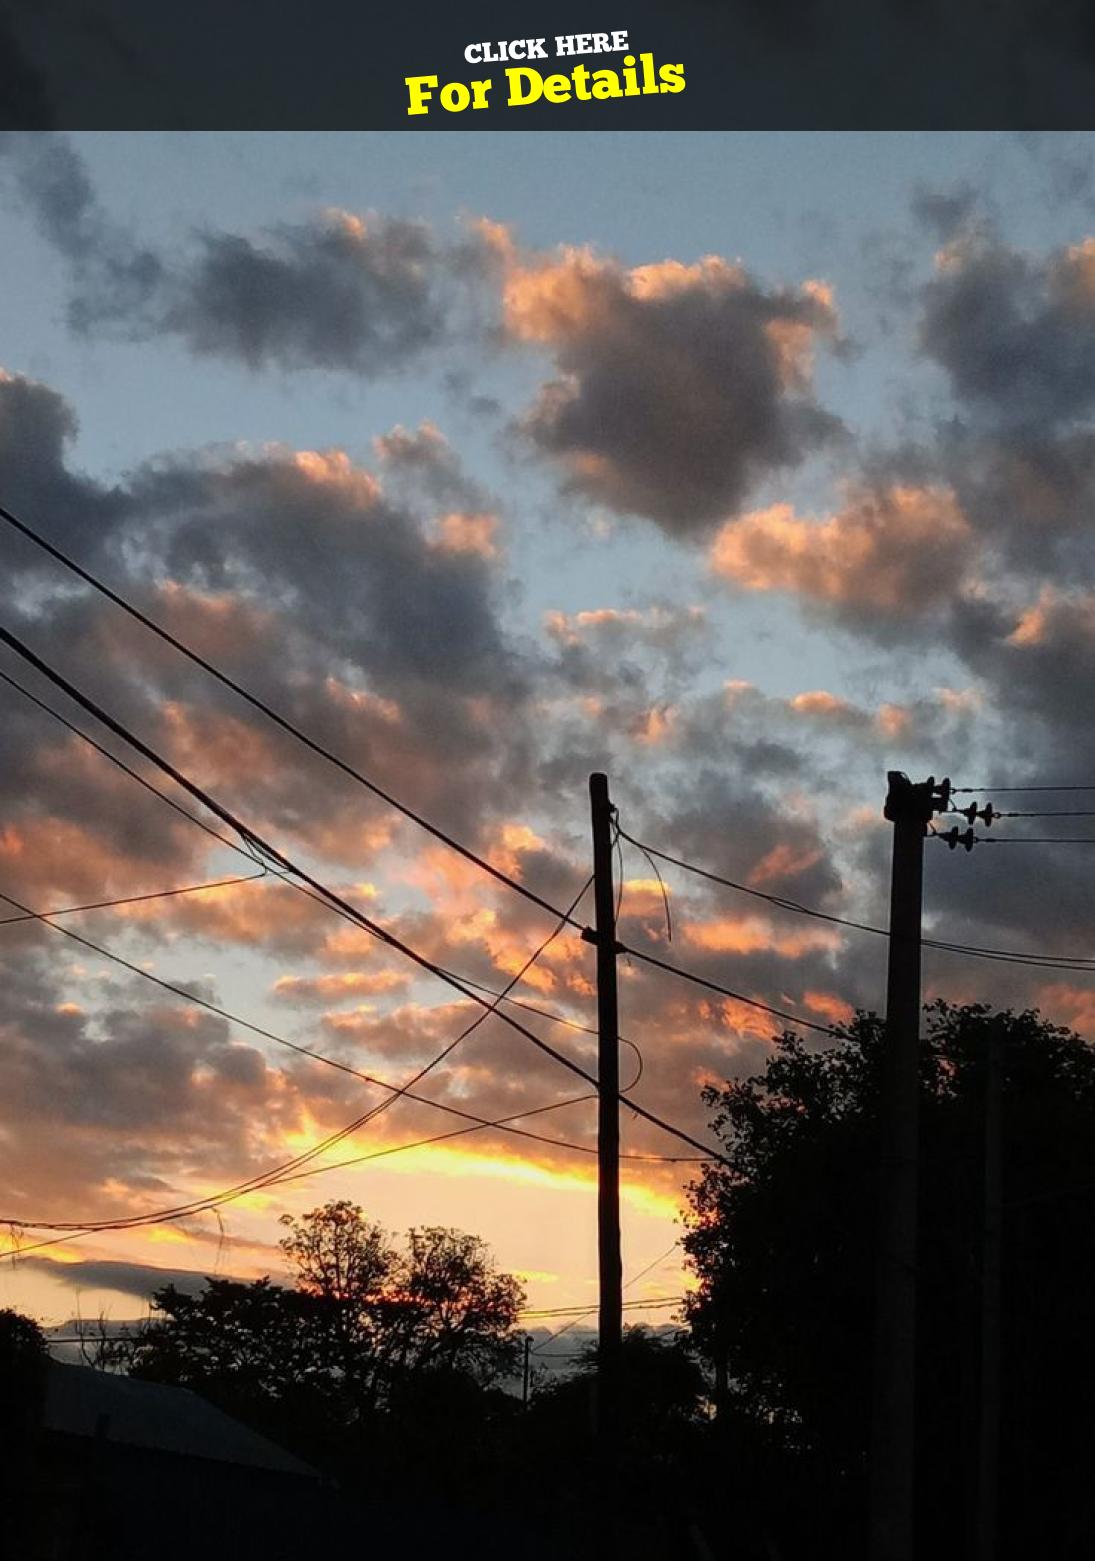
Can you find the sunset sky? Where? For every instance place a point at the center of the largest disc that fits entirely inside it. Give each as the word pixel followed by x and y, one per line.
pixel 743 468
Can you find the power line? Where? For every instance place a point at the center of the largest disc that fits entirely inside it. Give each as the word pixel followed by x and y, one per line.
pixel 283 862
pixel 969 791
pixel 514 1002
pixel 306 1051
pixel 122 765
pixel 274 715
pixel 492 1008
pixel 223 883
pixel 1060 813
pixel 658 1261
pixel 137 899
pixel 279 1176
pixel 725 991
pixel 557 1018
pixel 632 1306
pixel 274 1177
pixel 628 1306
pixel 224 839
pixel 135 775
pixel 232 845
pixel 1036 840
pixel 1008 956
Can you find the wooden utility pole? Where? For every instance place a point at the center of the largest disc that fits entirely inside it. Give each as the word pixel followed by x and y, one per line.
pixel 910 808
pixel 610 1315
pixel 988 1441
pixel 526 1371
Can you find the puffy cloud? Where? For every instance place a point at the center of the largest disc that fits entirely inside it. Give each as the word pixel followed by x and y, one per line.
pixel 37 429
pixel 1014 332
pixel 887 555
pixel 344 292
pixel 679 387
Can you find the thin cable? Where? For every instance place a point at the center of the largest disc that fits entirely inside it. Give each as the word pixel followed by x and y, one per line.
pixel 1034 840
pixel 619 876
pixel 283 862
pixel 407 1090
pixel 583 1311
pixel 592 1310
pixel 969 791
pixel 725 991
pixel 570 1024
pixel 272 714
pixel 661 886
pixel 122 765
pixel 137 899
pixel 634 1306
pixel 278 1178
pixel 223 883
pixel 1061 813
pixel 225 840
pixel 1009 956
pixel 247 1024
pixel 275 1177
pixel 491 1008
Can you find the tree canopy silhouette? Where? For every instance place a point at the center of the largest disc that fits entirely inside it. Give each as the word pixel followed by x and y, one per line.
pixel 364 1319
pixel 782 1240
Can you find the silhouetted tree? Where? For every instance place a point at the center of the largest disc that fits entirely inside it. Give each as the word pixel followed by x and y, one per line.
pixel 662 1389
pixel 347 1265
pixel 439 1304
pixel 782 1239
pixel 24 1361
pixel 364 1328
pixel 453 1310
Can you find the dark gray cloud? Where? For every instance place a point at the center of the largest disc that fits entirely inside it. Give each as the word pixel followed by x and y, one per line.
pixel 138 1279
pixel 679 387
pixel 1015 333
pixel 37 428
pixel 357 294
pixel 1028 493
pixel 105 1087
pixel 370 618
pixel 342 293
pixel 944 211
pixel 113 277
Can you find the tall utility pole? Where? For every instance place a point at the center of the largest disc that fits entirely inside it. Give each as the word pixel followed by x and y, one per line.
pixel 910 808
pixel 988 1441
pixel 610 1315
pixel 526 1371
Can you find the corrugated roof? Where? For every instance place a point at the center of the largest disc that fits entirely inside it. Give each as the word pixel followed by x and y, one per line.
pixel 80 1399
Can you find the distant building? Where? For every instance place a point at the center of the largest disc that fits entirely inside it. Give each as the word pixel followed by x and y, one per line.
pixel 125 1469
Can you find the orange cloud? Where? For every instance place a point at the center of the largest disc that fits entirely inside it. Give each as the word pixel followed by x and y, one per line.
pixel 1073 1006
pixel 748 934
pixel 784 861
pixel 350 983
pixel 459 532
pixel 828 1006
pixel 1055 616
pixel 896 552
pixel 819 702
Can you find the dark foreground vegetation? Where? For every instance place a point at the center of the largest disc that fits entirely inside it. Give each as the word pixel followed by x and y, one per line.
pixel 395 1371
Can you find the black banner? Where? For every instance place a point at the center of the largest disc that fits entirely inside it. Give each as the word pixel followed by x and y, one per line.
pixel 694 64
